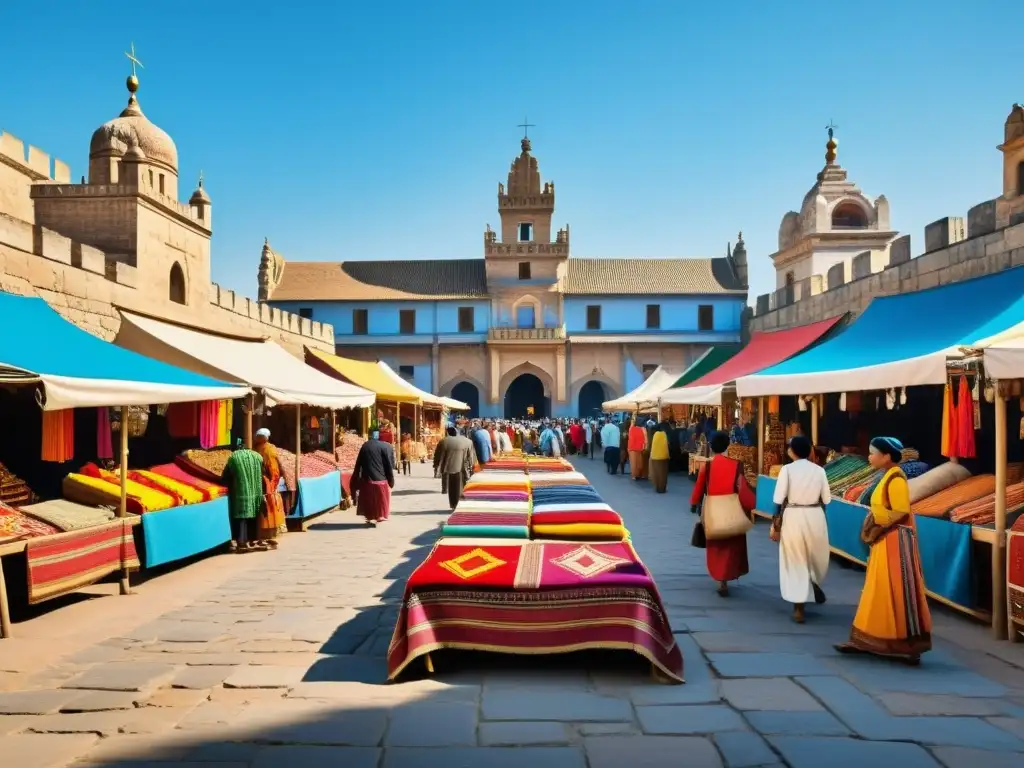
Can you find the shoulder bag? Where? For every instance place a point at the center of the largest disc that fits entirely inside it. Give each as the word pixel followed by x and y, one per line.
pixel 698 539
pixel 724 516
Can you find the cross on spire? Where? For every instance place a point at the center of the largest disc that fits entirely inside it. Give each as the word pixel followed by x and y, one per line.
pixel 526 125
pixel 831 128
pixel 133 59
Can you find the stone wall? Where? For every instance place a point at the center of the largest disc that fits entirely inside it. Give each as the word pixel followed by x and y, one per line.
pixel 87 285
pixel 959 250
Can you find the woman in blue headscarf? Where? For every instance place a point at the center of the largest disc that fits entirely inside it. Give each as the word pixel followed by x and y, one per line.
pixel 892 618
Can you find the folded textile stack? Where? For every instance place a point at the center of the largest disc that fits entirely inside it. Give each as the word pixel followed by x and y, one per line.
pixel 95 487
pixel 502 524
pixel 854 477
pixel 482 493
pixel 13 490
pixel 15 525
pixel 547 464
pixel 508 462
pixel 595 522
pixel 982 511
pixel 66 515
pixel 552 479
pixel 944 502
pixel 566 494
pixel 842 466
pixel 176 473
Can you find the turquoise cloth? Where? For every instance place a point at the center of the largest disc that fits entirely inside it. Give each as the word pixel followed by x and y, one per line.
pixel 179 532
pixel 487 531
pixel 317 494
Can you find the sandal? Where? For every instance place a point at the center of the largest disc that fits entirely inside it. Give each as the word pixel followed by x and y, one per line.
pixel 271 544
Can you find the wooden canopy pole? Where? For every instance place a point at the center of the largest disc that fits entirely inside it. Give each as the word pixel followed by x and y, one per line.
pixel 999 613
pixel 298 448
pixel 814 422
pixel 250 406
pixel 122 510
pixel 760 435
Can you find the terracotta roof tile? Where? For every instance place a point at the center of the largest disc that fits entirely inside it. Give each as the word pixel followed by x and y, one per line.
pixel 650 276
pixel 381 280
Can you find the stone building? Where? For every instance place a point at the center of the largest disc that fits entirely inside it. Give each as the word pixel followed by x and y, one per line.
pixel 528 328
pixel 121 238
pixel 838 253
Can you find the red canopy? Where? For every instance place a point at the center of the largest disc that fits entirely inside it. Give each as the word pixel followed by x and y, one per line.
pixel 766 348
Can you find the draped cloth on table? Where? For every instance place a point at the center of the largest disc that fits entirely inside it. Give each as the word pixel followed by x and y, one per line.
pixel 893 618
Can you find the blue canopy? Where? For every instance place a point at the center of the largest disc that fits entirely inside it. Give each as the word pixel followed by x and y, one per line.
pixel 900 341
pixel 79 370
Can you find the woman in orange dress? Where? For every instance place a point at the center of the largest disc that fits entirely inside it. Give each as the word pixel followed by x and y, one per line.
pixel 271 518
pixel 722 476
pixel 893 619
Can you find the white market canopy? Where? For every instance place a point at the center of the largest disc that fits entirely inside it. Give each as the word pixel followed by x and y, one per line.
pixel 646 395
pixel 284 379
pixel 902 341
pixel 1005 359
pixel 79 370
pixel 426 397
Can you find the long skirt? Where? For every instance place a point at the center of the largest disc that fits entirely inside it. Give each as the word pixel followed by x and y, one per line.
pixel 611 459
pixel 803 553
pixel 658 473
pixel 271 516
pixel 645 474
pixel 727 558
pixel 636 464
pixel 893 618
pixel 374 500
pixel 454 483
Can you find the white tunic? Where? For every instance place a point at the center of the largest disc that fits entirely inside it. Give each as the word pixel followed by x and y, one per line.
pixel 803 549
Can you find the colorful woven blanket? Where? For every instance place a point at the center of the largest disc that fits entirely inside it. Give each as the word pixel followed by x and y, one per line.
pixel 105 491
pixel 65 562
pixel 944 502
pixel 1015 573
pixel 16 525
pixel 485 495
pixel 982 511
pixel 532 597
pixel 174 472
pixel 482 505
pixel 578 531
pixel 575 516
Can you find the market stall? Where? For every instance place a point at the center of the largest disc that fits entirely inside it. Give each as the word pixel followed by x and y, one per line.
pixel 645 397
pixel 74 377
pixel 876 358
pixel 279 377
pixel 436 405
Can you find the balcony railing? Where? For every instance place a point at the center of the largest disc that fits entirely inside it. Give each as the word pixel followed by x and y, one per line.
pixel 526 334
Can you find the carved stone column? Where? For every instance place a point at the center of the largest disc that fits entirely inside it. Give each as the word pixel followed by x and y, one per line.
pixel 495 375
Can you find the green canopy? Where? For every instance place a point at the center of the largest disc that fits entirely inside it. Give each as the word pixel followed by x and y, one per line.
pixel 706 363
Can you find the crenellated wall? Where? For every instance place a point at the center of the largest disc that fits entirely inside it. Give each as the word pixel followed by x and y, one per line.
pixel 956 248
pixel 148 234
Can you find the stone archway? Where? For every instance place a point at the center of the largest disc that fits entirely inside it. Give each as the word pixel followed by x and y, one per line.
pixel 525 398
pixel 468 393
pixel 591 396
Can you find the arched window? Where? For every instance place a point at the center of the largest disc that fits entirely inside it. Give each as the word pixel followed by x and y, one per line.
pixel 177 290
pixel 790 278
pixel 849 216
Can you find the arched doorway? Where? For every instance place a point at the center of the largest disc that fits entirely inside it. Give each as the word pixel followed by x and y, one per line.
pixel 176 289
pixel 526 392
pixel 470 395
pixel 591 397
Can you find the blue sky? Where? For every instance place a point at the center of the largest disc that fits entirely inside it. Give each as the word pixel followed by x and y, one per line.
pixel 380 130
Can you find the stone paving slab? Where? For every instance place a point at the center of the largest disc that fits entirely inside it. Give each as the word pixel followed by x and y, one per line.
pixel 650 752
pixel 513 734
pixel 123 676
pixel 492 757
pixel 689 720
pixel 42 702
pixel 39 751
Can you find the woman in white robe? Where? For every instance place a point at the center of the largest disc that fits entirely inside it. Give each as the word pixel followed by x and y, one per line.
pixel 801 495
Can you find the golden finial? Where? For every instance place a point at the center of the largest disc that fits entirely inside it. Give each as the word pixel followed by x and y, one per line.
pixel 830 147
pixel 133 79
pixel 200 178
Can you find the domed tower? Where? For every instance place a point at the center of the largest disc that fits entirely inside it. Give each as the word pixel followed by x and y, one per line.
pixel 836 222
pixel 1010 206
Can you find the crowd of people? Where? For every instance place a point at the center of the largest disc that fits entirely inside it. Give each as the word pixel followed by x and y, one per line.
pixel 884 625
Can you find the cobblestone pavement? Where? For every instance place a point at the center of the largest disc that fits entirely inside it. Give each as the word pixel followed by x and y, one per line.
pixel 282 664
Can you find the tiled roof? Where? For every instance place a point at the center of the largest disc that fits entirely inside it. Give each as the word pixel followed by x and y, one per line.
pixel 442 279
pixel 594 277
pixel 381 280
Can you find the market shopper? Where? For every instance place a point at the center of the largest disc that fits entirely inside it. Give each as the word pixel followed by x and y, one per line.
pixel 636 445
pixel 801 495
pixel 271 518
pixel 893 619
pixel 658 471
pixel 453 463
pixel 722 476
pixel 243 477
pixel 373 478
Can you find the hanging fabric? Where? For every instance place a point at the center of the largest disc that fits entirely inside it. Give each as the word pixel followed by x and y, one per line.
pixel 773 404
pixel 104 443
pixel 948 423
pixel 58 435
pixel 183 419
pixel 208 424
pixel 965 422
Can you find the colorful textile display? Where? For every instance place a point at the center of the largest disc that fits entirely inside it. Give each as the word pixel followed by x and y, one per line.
pixel 103 489
pixel 1015 572
pixel 209 427
pixel 477 505
pixel 65 562
pixel 982 511
pixel 578 531
pixel 945 501
pixel 66 515
pixel 58 435
pixel 965 422
pixel 575 516
pixel 183 420
pixel 181 493
pixel 950 423
pixel 936 479
pixel 104 441
pixel 532 597
pixel 174 472
pixel 495 495
pixel 13 490
pixel 514 525
pixel 15 525
pixel 569 494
